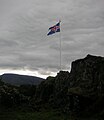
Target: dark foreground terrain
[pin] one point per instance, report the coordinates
(78, 95)
(41, 115)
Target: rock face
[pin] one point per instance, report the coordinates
(88, 74)
(80, 90)
(87, 83)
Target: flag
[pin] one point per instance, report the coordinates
(54, 29)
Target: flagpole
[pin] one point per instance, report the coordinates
(54, 29)
(60, 49)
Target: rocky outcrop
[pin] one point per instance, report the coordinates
(88, 74)
(80, 90)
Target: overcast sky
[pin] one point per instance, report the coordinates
(25, 46)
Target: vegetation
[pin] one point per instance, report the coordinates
(42, 115)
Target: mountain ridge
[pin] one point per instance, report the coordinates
(17, 79)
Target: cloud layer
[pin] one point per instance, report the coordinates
(23, 33)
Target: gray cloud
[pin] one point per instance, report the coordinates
(25, 45)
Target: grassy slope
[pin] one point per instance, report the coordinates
(43, 115)
(19, 115)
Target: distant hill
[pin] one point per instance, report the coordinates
(16, 79)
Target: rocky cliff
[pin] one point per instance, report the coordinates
(79, 91)
(88, 74)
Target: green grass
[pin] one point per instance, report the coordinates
(20, 115)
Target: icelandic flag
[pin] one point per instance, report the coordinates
(54, 29)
